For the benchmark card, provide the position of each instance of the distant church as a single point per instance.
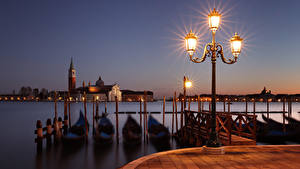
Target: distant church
(99, 91)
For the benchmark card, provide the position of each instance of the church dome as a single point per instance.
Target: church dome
(100, 82)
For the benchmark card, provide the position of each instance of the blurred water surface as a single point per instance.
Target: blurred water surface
(17, 125)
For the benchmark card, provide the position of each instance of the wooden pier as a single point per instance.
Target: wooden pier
(232, 128)
(273, 156)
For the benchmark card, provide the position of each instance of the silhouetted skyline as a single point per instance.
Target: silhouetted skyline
(138, 44)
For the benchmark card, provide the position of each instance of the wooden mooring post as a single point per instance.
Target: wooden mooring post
(283, 115)
(224, 105)
(164, 109)
(254, 106)
(66, 122)
(173, 116)
(181, 115)
(145, 110)
(49, 131)
(199, 103)
(202, 105)
(246, 101)
(176, 118)
(55, 104)
(189, 105)
(228, 104)
(290, 107)
(39, 136)
(268, 109)
(93, 115)
(117, 119)
(85, 112)
(105, 110)
(59, 129)
(97, 111)
(141, 111)
(209, 105)
(69, 108)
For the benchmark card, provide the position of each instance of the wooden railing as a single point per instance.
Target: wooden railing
(241, 124)
(244, 125)
(224, 126)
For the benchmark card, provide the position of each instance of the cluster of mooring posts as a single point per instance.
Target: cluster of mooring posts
(234, 128)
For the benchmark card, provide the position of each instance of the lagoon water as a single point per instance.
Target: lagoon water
(17, 125)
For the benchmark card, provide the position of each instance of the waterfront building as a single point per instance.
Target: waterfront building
(135, 96)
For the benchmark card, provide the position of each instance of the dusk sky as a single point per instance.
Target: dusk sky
(139, 44)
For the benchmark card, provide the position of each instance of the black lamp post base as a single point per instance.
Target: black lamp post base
(213, 140)
(213, 143)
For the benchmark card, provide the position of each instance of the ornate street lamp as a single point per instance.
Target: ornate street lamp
(213, 50)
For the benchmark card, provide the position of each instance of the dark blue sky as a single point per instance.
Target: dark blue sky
(138, 44)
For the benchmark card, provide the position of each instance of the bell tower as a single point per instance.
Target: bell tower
(72, 77)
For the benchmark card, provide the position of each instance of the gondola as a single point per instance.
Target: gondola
(276, 133)
(77, 132)
(157, 132)
(292, 121)
(104, 131)
(272, 124)
(132, 131)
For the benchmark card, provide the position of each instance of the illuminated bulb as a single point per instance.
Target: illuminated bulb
(236, 45)
(190, 43)
(214, 20)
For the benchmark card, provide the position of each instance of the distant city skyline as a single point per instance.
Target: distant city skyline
(138, 44)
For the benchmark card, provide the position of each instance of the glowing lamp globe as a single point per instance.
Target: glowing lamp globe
(214, 20)
(188, 84)
(236, 45)
(190, 43)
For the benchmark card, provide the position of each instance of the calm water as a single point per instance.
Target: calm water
(18, 150)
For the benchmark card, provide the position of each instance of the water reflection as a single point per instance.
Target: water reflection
(93, 155)
(131, 151)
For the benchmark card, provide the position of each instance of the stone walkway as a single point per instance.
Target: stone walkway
(270, 156)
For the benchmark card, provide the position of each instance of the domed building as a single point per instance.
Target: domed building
(100, 82)
(101, 92)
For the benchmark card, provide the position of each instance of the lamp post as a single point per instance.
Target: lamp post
(213, 50)
(186, 84)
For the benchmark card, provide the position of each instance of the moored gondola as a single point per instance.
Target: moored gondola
(277, 132)
(77, 132)
(104, 131)
(292, 121)
(157, 132)
(132, 131)
(272, 124)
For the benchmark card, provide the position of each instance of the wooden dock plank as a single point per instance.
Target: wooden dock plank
(274, 156)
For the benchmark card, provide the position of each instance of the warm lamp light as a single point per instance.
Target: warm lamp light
(236, 45)
(214, 20)
(191, 43)
(188, 84)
